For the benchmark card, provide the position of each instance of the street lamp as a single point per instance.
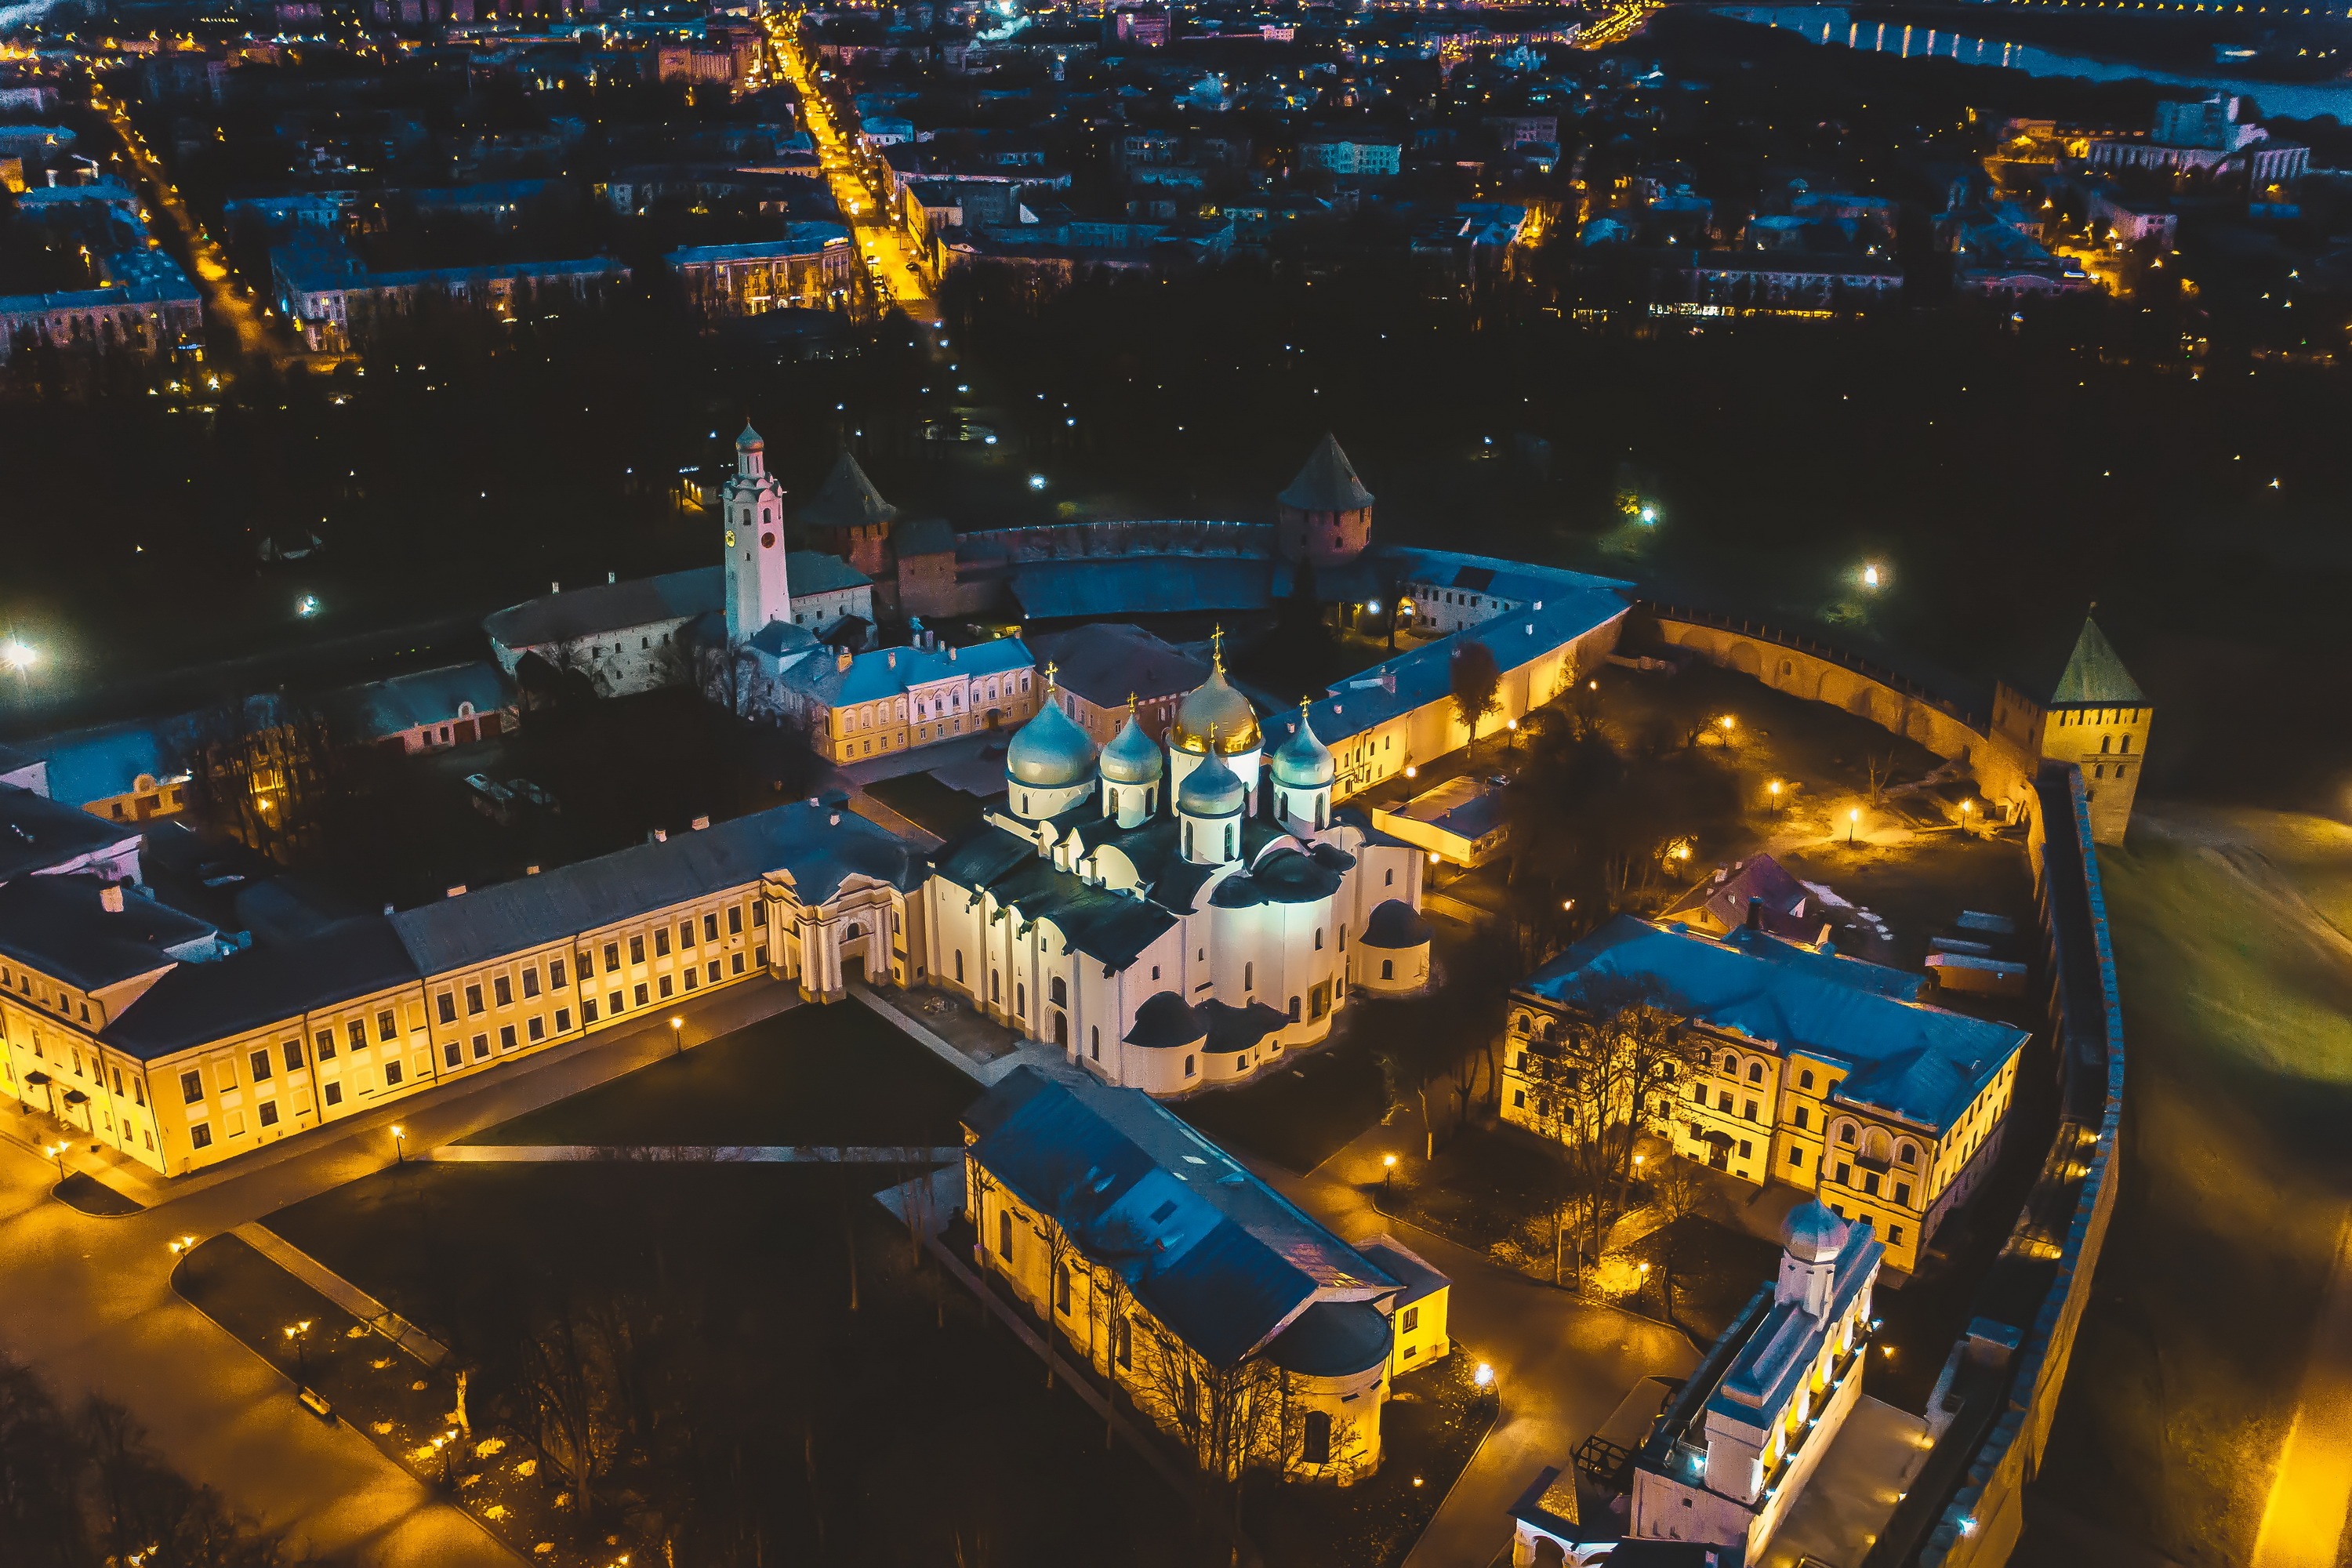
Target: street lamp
(19, 657)
(297, 1334)
(677, 1036)
(182, 1245)
(1775, 787)
(1968, 809)
(399, 1145)
(1388, 1174)
(1485, 1376)
(57, 1152)
(1853, 819)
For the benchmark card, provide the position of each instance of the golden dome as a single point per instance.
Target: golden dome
(1216, 707)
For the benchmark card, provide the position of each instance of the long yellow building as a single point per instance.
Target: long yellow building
(141, 1028)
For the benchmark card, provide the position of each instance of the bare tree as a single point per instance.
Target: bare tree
(1477, 683)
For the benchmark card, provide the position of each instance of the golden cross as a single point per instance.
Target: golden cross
(1051, 671)
(1130, 704)
(1217, 645)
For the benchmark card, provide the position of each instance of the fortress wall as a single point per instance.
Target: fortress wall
(1819, 674)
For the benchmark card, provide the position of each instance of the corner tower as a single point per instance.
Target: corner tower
(1325, 513)
(2093, 714)
(757, 591)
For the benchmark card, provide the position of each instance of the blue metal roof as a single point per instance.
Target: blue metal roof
(1424, 675)
(1142, 585)
(1219, 1258)
(891, 672)
(107, 760)
(820, 853)
(380, 707)
(1918, 1063)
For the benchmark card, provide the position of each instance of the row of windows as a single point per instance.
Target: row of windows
(533, 1030)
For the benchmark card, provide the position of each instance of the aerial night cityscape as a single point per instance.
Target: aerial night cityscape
(1203, 784)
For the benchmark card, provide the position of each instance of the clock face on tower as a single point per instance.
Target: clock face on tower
(767, 541)
(730, 538)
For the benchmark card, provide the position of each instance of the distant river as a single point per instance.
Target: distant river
(1835, 25)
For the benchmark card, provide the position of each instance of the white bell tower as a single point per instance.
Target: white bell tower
(757, 591)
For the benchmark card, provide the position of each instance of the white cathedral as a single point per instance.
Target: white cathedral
(1173, 923)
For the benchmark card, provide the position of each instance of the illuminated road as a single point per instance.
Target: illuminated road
(257, 338)
(891, 255)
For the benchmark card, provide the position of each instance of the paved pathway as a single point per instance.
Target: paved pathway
(87, 1302)
(693, 1153)
(2311, 1492)
(341, 1292)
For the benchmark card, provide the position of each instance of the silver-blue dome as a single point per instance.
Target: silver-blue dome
(1303, 762)
(1050, 752)
(1132, 757)
(1811, 1234)
(1212, 789)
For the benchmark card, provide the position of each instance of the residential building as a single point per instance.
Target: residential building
(1755, 888)
(1351, 155)
(1106, 670)
(811, 266)
(427, 709)
(1247, 1332)
(337, 300)
(1810, 1068)
(855, 706)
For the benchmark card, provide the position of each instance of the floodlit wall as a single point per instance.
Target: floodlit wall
(1980, 1524)
(1819, 674)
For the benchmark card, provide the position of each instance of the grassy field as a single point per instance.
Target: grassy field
(809, 1075)
(2237, 985)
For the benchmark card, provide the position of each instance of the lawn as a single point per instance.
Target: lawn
(836, 1411)
(822, 1075)
(2237, 992)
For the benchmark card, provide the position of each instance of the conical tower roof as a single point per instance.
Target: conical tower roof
(847, 498)
(750, 439)
(1328, 482)
(2095, 674)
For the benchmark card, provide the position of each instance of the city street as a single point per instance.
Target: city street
(883, 244)
(258, 337)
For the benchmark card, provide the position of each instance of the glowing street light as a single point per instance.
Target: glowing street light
(1870, 576)
(677, 1036)
(1775, 788)
(1852, 820)
(180, 1244)
(1036, 481)
(1388, 1172)
(1648, 514)
(399, 1145)
(57, 1152)
(298, 1334)
(1485, 1376)
(18, 657)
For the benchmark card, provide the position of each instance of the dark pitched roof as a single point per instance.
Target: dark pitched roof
(1790, 908)
(846, 499)
(1328, 482)
(378, 708)
(1333, 1338)
(1395, 924)
(820, 852)
(1213, 1253)
(199, 1003)
(1239, 1028)
(1102, 661)
(814, 571)
(58, 925)
(608, 607)
(37, 833)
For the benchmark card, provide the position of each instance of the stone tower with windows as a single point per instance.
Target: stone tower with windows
(2094, 715)
(1325, 513)
(753, 507)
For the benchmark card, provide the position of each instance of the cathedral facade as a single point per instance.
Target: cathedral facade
(1177, 918)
